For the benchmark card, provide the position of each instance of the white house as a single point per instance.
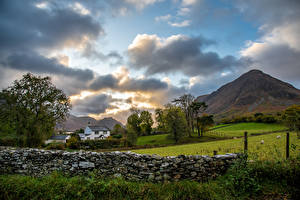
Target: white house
(95, 133)
(58, 138)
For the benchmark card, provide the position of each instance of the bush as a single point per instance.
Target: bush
(117, 136)
(56, 146)
(240, 179)
(73, 143)
(9, 141)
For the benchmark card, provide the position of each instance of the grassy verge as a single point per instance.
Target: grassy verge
(259, 180)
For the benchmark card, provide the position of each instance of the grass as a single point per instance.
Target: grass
(271, 148)
(218, 132)
(155, 139)
(236, 130)
(164, 140)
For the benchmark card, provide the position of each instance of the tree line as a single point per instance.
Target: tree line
(178, 118)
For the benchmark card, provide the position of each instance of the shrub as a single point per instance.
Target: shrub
(73, 143)
(118, 136)
(9, 141)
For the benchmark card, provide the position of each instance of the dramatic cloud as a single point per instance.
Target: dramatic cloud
(93, 104)
(123, 83)
(34, 62)
(277, 51)
(177, 53)
(26, 26)
(91, 53)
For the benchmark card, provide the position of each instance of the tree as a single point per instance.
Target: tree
(176, 123)
(197, 109)
(204, 122)
(185, 102)
(160, 119)
(291, 118)
(146, 122)
(131, 136)
(118, 130)
(33, 106)
(133, 123)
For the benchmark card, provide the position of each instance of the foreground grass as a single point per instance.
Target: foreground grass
(236, 130)
(260, 180)
(272, 148)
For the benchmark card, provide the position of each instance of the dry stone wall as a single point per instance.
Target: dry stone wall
(132, 166)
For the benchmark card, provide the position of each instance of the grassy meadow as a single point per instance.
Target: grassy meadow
(237, 130)
(215, 133)
(272, 148)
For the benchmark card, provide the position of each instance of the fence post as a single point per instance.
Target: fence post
(287, 150)
(215, 152)
(245, 142)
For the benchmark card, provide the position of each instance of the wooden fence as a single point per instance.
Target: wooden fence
(287, 146)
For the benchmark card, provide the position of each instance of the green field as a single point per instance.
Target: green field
(272, 148)
(218, 131)
(164, 140)
(236, 130)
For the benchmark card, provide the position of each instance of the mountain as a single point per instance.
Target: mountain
(253, 91)
(108, 122)
(73, 123)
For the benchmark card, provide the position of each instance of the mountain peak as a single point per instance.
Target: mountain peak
(254, 71)
(252, 91)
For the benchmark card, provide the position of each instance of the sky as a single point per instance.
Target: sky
(113, 55)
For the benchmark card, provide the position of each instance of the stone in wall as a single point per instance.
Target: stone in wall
(131, 166)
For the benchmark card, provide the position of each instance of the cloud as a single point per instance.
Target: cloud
(180, 24)
(91, 53)
(141, 4)
(150, 84)
(177, 53)
(163, 18)
(35, 28)
(103, 82)
(34, 62)
(123, 83)
(188, 2)
(93, 104)
(277, 51)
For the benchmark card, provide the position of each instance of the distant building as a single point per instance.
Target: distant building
(58, 138)
(95, 133)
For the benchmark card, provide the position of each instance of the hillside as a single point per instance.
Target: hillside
(253, 91)
(73, 123)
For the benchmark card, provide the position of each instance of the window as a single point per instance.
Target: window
(96, 132)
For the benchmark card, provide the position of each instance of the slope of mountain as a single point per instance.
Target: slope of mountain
(73, 123)
(108, 122)
(253, 91)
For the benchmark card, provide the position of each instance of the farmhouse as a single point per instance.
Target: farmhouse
(58, 138)
(95, 133)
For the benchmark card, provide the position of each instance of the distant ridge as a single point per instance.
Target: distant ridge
(74, 123)
(253, 91)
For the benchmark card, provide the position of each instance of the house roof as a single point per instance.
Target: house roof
(98, 128)
(58, 137)
(81, 135)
